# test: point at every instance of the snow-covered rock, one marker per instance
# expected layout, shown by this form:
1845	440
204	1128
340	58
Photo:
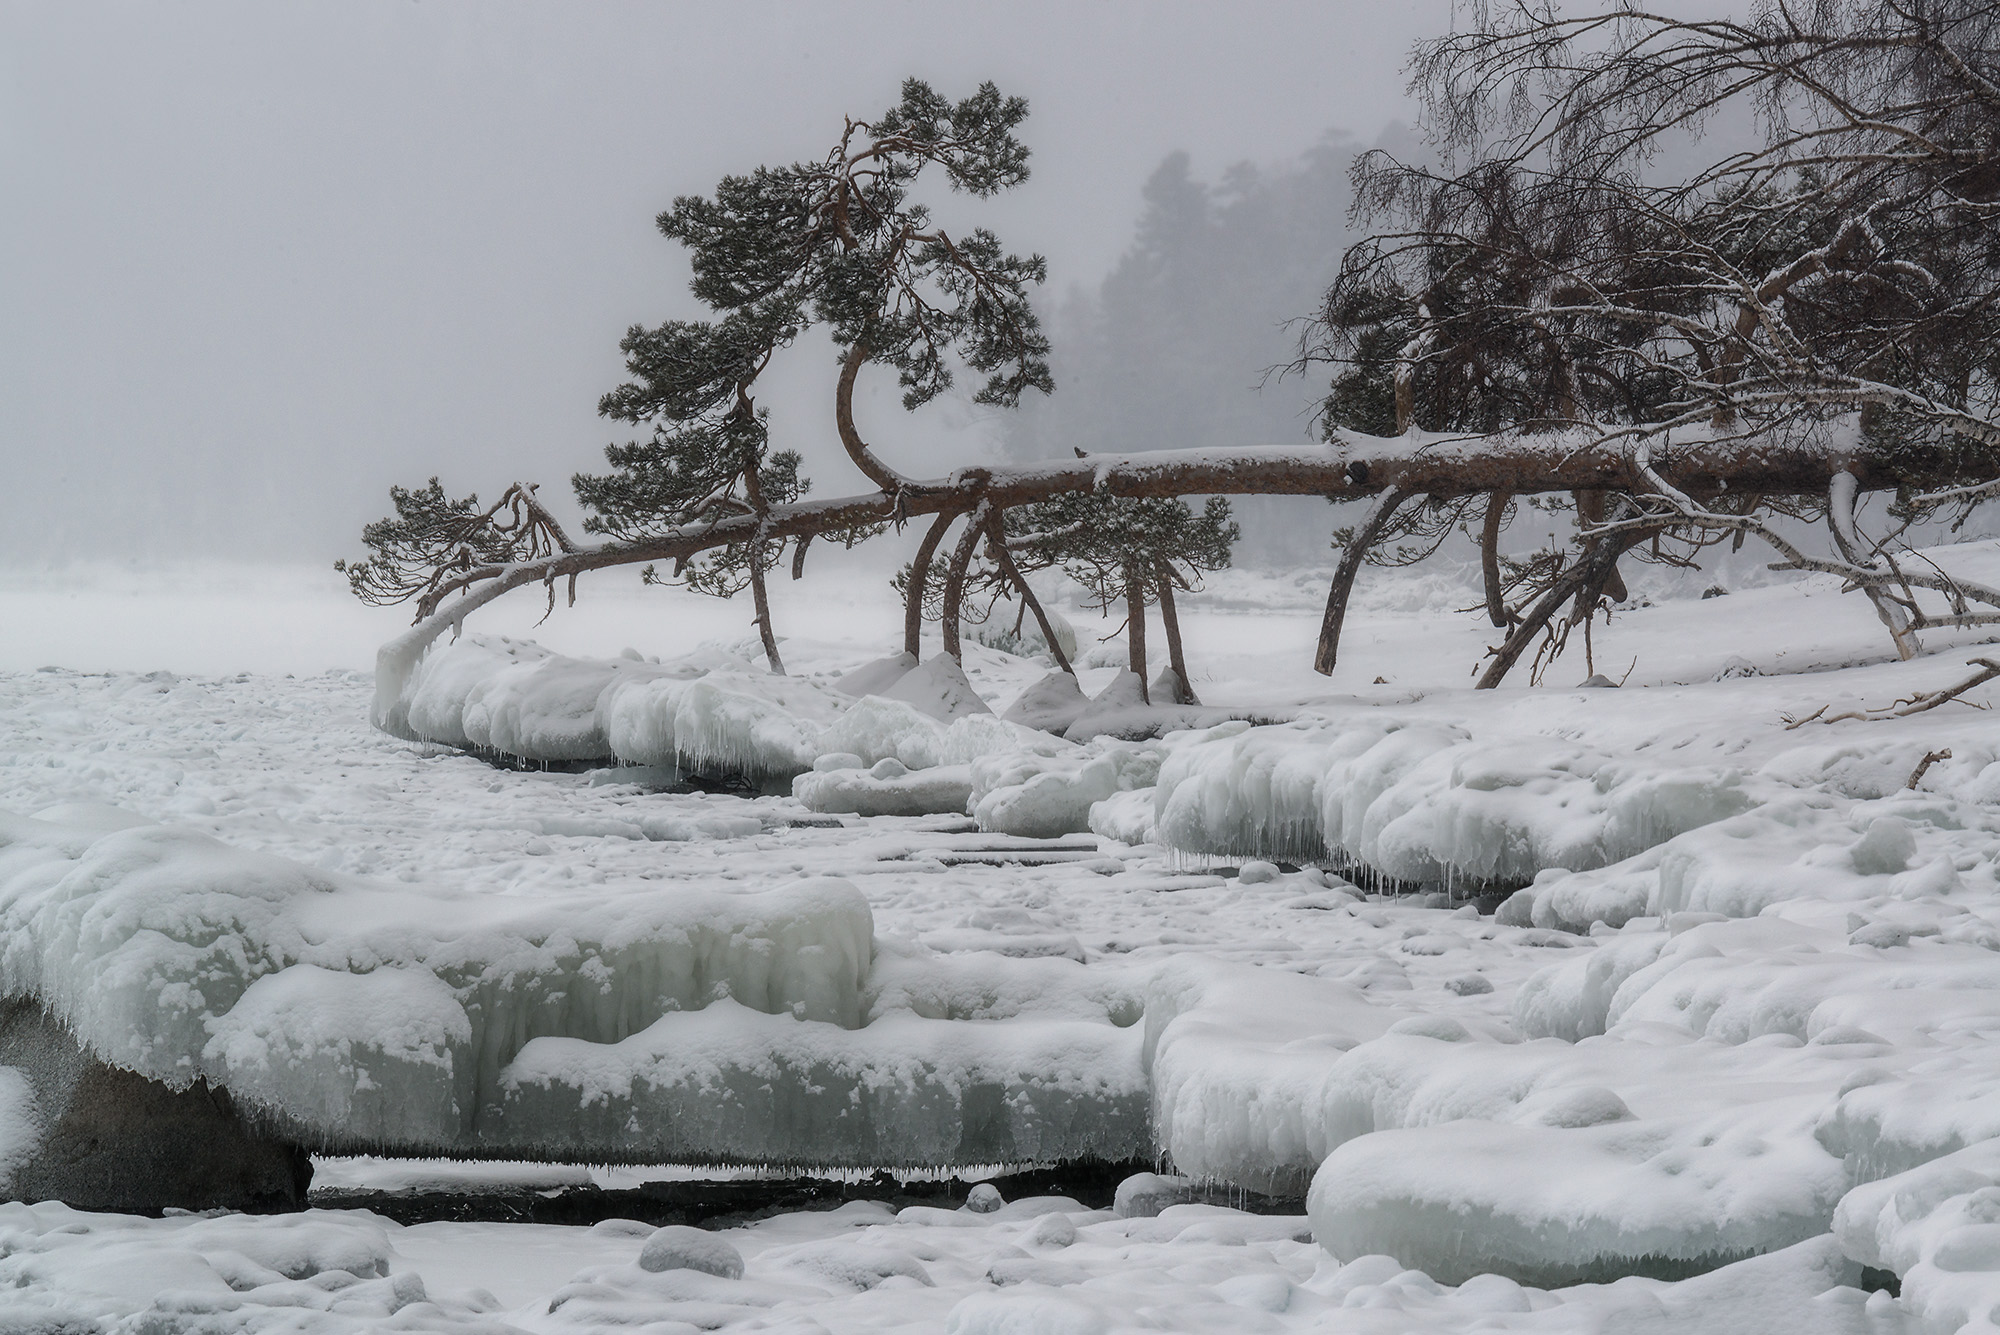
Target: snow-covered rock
1044	793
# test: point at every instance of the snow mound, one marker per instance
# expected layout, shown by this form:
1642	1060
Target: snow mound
874	677
1554	1205
937	687
679	1247
1051	704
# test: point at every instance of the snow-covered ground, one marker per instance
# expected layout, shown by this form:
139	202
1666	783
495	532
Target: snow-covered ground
1746	1021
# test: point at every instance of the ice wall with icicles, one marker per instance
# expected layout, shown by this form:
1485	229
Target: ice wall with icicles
613	1025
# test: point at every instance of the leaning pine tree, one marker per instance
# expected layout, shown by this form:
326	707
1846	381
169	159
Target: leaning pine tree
840	243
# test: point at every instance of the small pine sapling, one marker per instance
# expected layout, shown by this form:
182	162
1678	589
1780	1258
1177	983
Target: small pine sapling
1131	551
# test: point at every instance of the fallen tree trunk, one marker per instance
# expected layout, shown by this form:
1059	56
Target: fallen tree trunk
1347	467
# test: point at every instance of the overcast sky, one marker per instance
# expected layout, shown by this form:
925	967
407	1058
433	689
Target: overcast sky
258	261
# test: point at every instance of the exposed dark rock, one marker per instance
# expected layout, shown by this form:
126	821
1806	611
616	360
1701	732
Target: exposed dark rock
114	1140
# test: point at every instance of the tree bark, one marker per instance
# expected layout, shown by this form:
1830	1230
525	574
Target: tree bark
997	544
762	599
883	476
1170	619
913	593
1489	556
1370	528
1840	497
954	579
1135	628
1602	556
1589	514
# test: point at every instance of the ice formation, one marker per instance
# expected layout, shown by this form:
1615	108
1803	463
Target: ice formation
599	1026
886	788
1737	1017
1937	1227
1425	803
1044	792
710	712
1465	1198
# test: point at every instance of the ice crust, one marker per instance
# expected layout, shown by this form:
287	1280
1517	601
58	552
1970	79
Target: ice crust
1036	1266
1425	802
650	1027
711	712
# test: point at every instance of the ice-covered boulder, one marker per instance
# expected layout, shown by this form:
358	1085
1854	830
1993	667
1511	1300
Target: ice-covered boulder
710	712
905	763
1044	792
670	1026
1427	803
77	1129
1127	817
1787	846
1885	1125
1550	1205
887	788
1240	1060
756	724
874	728
737	1085
1238	791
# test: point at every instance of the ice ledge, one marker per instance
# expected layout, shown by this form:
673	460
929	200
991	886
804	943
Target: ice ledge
653	1027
